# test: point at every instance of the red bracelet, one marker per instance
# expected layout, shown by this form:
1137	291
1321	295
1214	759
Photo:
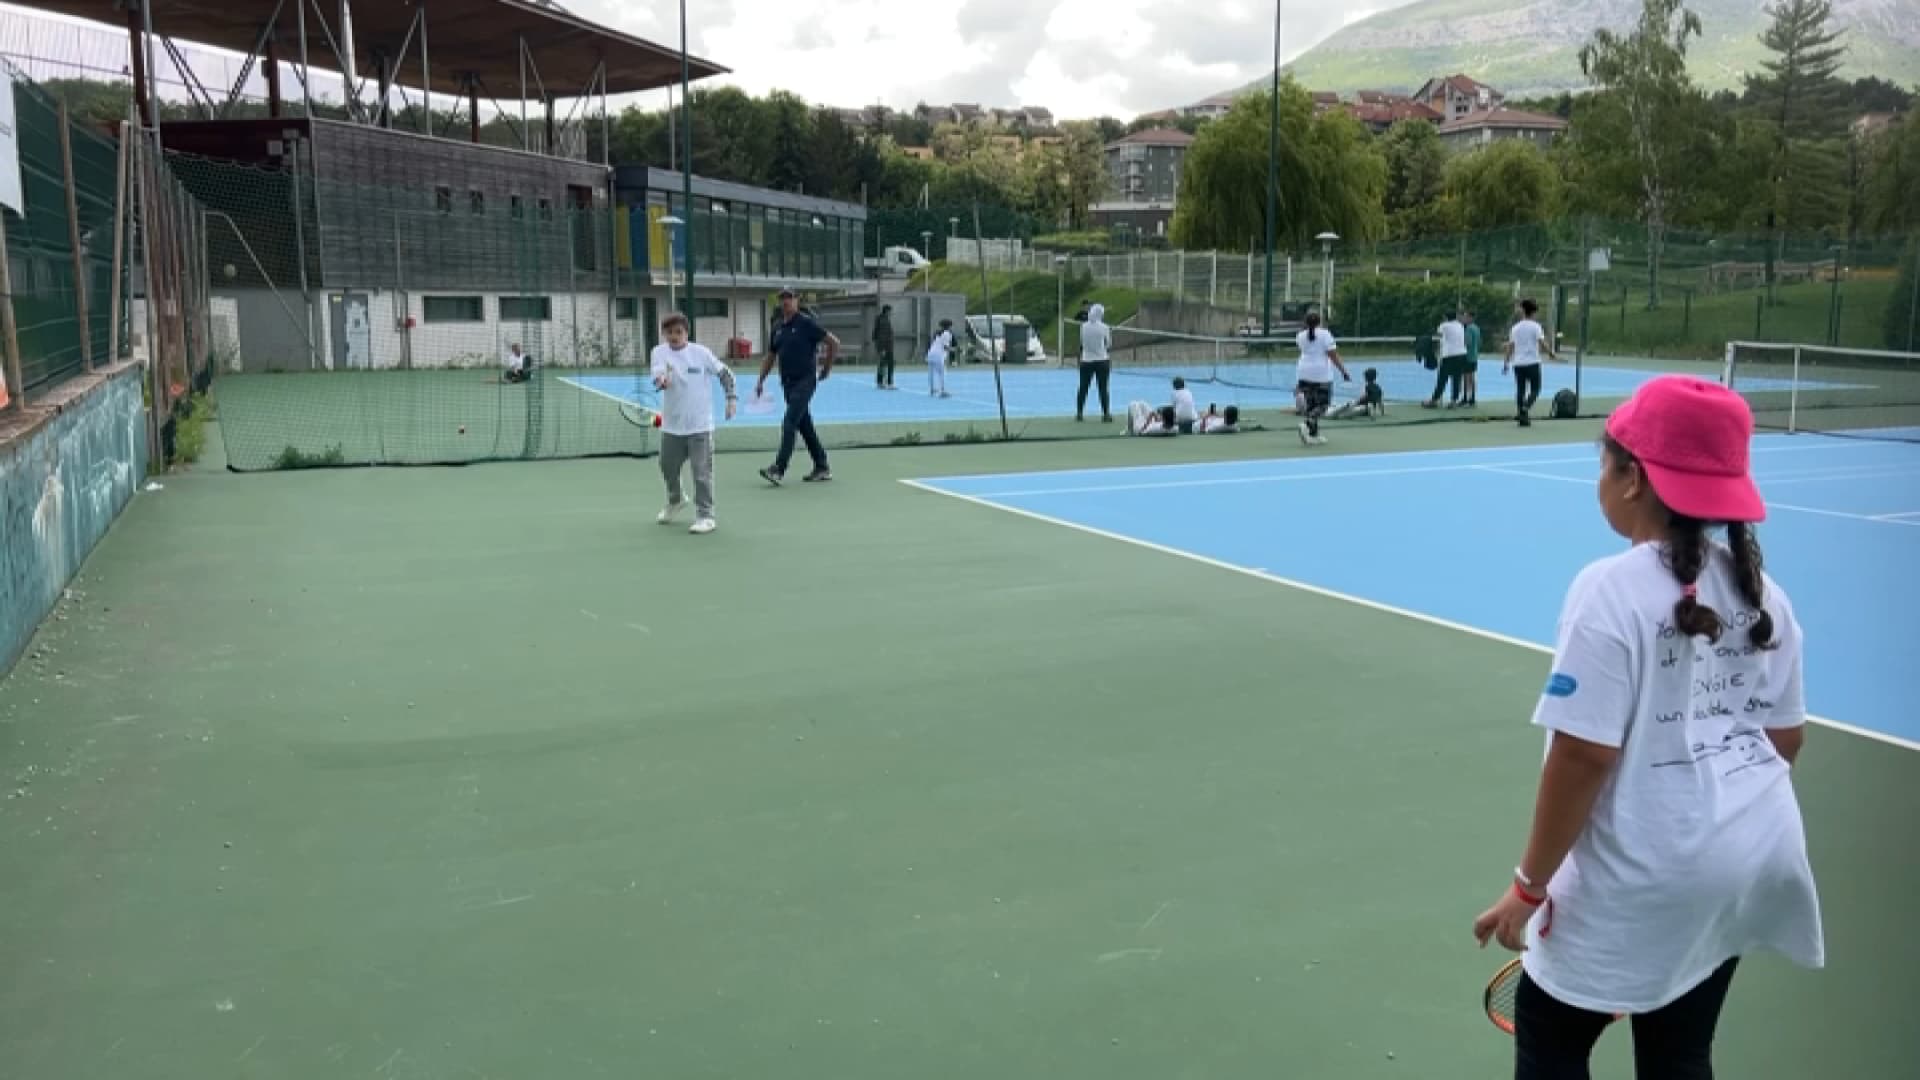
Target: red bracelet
1530	901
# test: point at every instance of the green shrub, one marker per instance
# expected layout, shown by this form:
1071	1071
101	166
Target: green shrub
190	428
1379	306
295	458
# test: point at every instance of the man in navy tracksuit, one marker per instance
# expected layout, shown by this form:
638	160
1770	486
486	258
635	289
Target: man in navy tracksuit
796	342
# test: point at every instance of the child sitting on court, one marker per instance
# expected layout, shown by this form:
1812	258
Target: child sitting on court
1372	401
1184	410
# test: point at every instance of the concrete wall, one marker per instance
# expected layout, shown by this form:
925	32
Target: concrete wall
63	481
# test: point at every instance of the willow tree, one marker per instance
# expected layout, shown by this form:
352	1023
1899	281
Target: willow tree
1332	177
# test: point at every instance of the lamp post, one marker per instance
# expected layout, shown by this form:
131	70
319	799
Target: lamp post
686	154
1060	309
1327	240
1273	179
926	276
673	261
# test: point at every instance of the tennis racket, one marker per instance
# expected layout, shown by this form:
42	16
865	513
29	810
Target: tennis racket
641	406
1501	992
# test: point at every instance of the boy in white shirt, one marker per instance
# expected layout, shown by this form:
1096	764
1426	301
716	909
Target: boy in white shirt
518	365
1525	342
1453	362
683	372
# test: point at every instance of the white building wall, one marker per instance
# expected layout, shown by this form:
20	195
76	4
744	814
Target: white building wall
575	335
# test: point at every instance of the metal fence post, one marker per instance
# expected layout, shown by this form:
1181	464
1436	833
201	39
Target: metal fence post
9	331
73	238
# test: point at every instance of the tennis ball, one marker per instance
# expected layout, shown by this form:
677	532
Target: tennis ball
463	429
230	271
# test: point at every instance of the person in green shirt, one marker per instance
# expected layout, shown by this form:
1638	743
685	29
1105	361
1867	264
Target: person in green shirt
1471	379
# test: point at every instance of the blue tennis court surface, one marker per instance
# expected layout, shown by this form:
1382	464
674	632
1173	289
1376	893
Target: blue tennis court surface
849	397
1491	538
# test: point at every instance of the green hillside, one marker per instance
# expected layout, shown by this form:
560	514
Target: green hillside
1532	47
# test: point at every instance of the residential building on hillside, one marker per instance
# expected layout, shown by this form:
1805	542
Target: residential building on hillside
1029	117
1379	115
1478	129
1143	170
1454	96
1209	108
1871	125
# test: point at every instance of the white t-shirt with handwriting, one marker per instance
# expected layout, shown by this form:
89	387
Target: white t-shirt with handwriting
1694	852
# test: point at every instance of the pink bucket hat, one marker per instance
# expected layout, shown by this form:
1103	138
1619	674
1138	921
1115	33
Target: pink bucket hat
1692	438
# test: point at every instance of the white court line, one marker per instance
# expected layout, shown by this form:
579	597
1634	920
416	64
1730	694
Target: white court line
1264	478
603	393
1592	450
1885	519
1331	594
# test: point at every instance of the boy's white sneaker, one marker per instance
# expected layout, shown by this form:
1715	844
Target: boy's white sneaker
703	526
670	511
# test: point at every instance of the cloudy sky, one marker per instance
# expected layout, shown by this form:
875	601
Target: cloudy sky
1080	58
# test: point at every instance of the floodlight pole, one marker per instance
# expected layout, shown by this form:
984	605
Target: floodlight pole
686	167
1273	179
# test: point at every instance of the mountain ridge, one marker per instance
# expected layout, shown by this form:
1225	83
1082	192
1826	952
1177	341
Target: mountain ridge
1532	47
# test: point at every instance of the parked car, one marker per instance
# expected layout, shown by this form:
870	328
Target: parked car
1007	329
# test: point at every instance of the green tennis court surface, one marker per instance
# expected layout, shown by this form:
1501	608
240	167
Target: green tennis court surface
479	772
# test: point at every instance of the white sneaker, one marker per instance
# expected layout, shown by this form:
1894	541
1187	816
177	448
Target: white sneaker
1306	434
702	526
671	511
1318	440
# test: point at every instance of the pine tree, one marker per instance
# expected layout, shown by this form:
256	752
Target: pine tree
1802	99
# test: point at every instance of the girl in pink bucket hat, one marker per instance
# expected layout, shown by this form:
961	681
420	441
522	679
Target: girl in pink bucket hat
1666	840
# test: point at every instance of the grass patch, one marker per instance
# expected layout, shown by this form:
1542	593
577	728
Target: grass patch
295	458
190	428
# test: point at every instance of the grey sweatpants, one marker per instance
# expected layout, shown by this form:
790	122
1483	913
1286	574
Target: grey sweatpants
675	452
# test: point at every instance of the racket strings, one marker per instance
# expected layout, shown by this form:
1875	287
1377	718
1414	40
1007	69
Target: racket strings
1501	996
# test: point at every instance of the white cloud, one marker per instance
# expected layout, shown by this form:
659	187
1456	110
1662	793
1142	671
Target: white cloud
1080	58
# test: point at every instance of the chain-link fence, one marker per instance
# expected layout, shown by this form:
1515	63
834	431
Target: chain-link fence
60	247
105	261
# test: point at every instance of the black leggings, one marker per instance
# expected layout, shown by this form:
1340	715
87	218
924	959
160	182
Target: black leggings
1089	374
1526	384
1553	1040
883	366
1314	399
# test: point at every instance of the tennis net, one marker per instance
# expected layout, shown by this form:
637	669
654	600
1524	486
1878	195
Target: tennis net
1864	393
1243	361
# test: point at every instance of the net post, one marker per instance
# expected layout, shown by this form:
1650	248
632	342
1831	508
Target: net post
1726	368
1793	402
